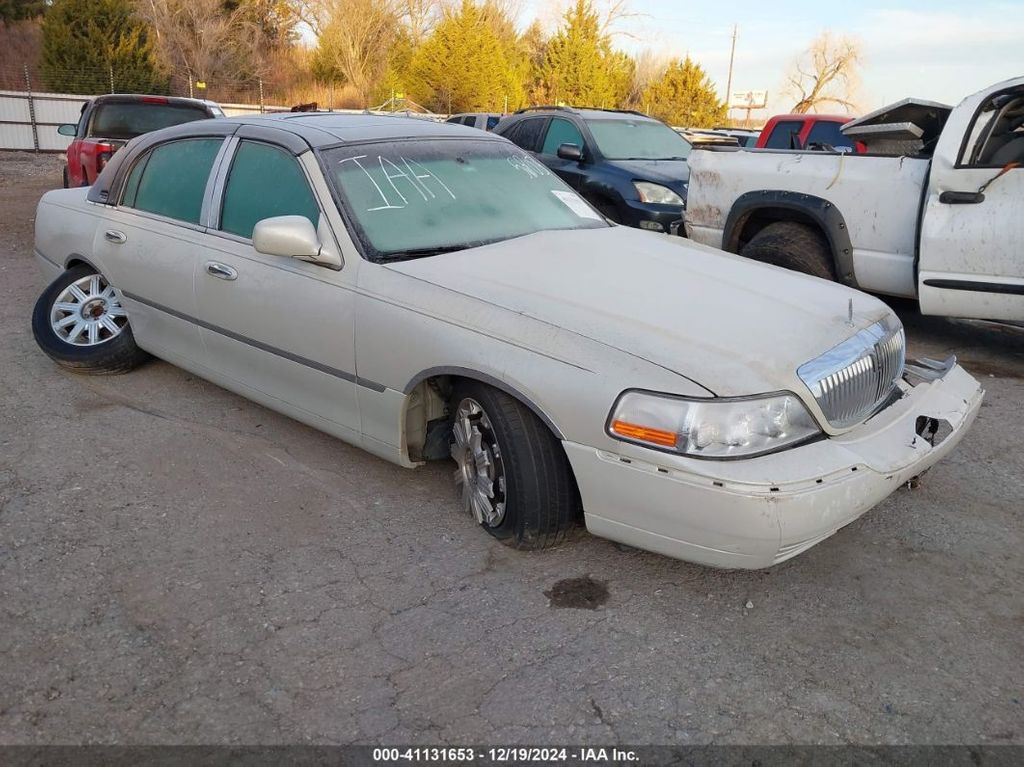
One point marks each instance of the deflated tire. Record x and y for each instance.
(80, 324)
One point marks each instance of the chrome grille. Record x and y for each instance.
(851, 380)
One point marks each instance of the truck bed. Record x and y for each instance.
(877, 196)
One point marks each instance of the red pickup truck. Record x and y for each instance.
(109, 122)
(807, 131)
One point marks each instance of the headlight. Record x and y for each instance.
(656, 193)
(714, 427)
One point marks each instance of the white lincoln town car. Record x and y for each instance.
(431, 292)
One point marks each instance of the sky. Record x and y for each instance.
(939, 50)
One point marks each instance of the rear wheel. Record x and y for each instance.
(80, 324)
(512, 471)
(794, 246)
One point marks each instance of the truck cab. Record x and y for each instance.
(807, 131)
(109, 122)
(934, 210)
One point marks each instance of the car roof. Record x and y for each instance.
(298, 132)
(587, 113)
(319, 129)
(814, 117)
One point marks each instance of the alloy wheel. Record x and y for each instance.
(88, 312)
(481, 471)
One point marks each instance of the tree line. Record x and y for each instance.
(445, 55)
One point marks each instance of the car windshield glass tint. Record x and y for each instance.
(134, 119)
(416, 198)
(638, 140)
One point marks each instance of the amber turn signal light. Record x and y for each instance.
(644, 433)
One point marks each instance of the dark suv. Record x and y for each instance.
(629, 166)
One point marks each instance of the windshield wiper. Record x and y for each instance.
(408, 255)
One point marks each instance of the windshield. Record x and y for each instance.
(638, 140)
(420, 198)
(131, 119)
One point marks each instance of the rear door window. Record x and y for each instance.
(263, 182)
(785, 135)
(128, 120)
(171, 179)
(824, 132)
(526, 134)
(561, 132)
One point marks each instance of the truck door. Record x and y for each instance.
(971, 263)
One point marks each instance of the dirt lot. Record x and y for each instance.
(178, 565)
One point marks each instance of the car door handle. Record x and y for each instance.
(221, 271)
(961, 198)
(116, 237)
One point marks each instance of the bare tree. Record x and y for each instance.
(826, 73)
(355, 39)
(420, 17)
(649, 67)
(203, 40)
(613, 14)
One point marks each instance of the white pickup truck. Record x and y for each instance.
(933, 211)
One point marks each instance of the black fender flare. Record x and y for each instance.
(825, 214)
(497, 383)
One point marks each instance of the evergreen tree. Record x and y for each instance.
(86, 43)
(533, 45)
(685, 96)
(580, 67)
(465, 65)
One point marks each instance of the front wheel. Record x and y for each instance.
(513, 474)
(792, 245)
(80, 324)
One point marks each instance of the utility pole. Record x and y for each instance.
(728, 85)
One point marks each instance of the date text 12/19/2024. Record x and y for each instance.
(504, 754)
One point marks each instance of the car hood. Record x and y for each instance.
(734, 326)
(674, 174)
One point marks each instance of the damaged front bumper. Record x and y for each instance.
(759, 512)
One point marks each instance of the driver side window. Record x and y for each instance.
(997, 136)
(264, 182)
(561, 132)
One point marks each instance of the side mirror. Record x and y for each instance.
(570, 152)
(295, 237)
(286, 236)
(68, 129)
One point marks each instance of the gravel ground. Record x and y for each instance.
(178, 565)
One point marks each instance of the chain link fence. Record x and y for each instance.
(33, 105)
